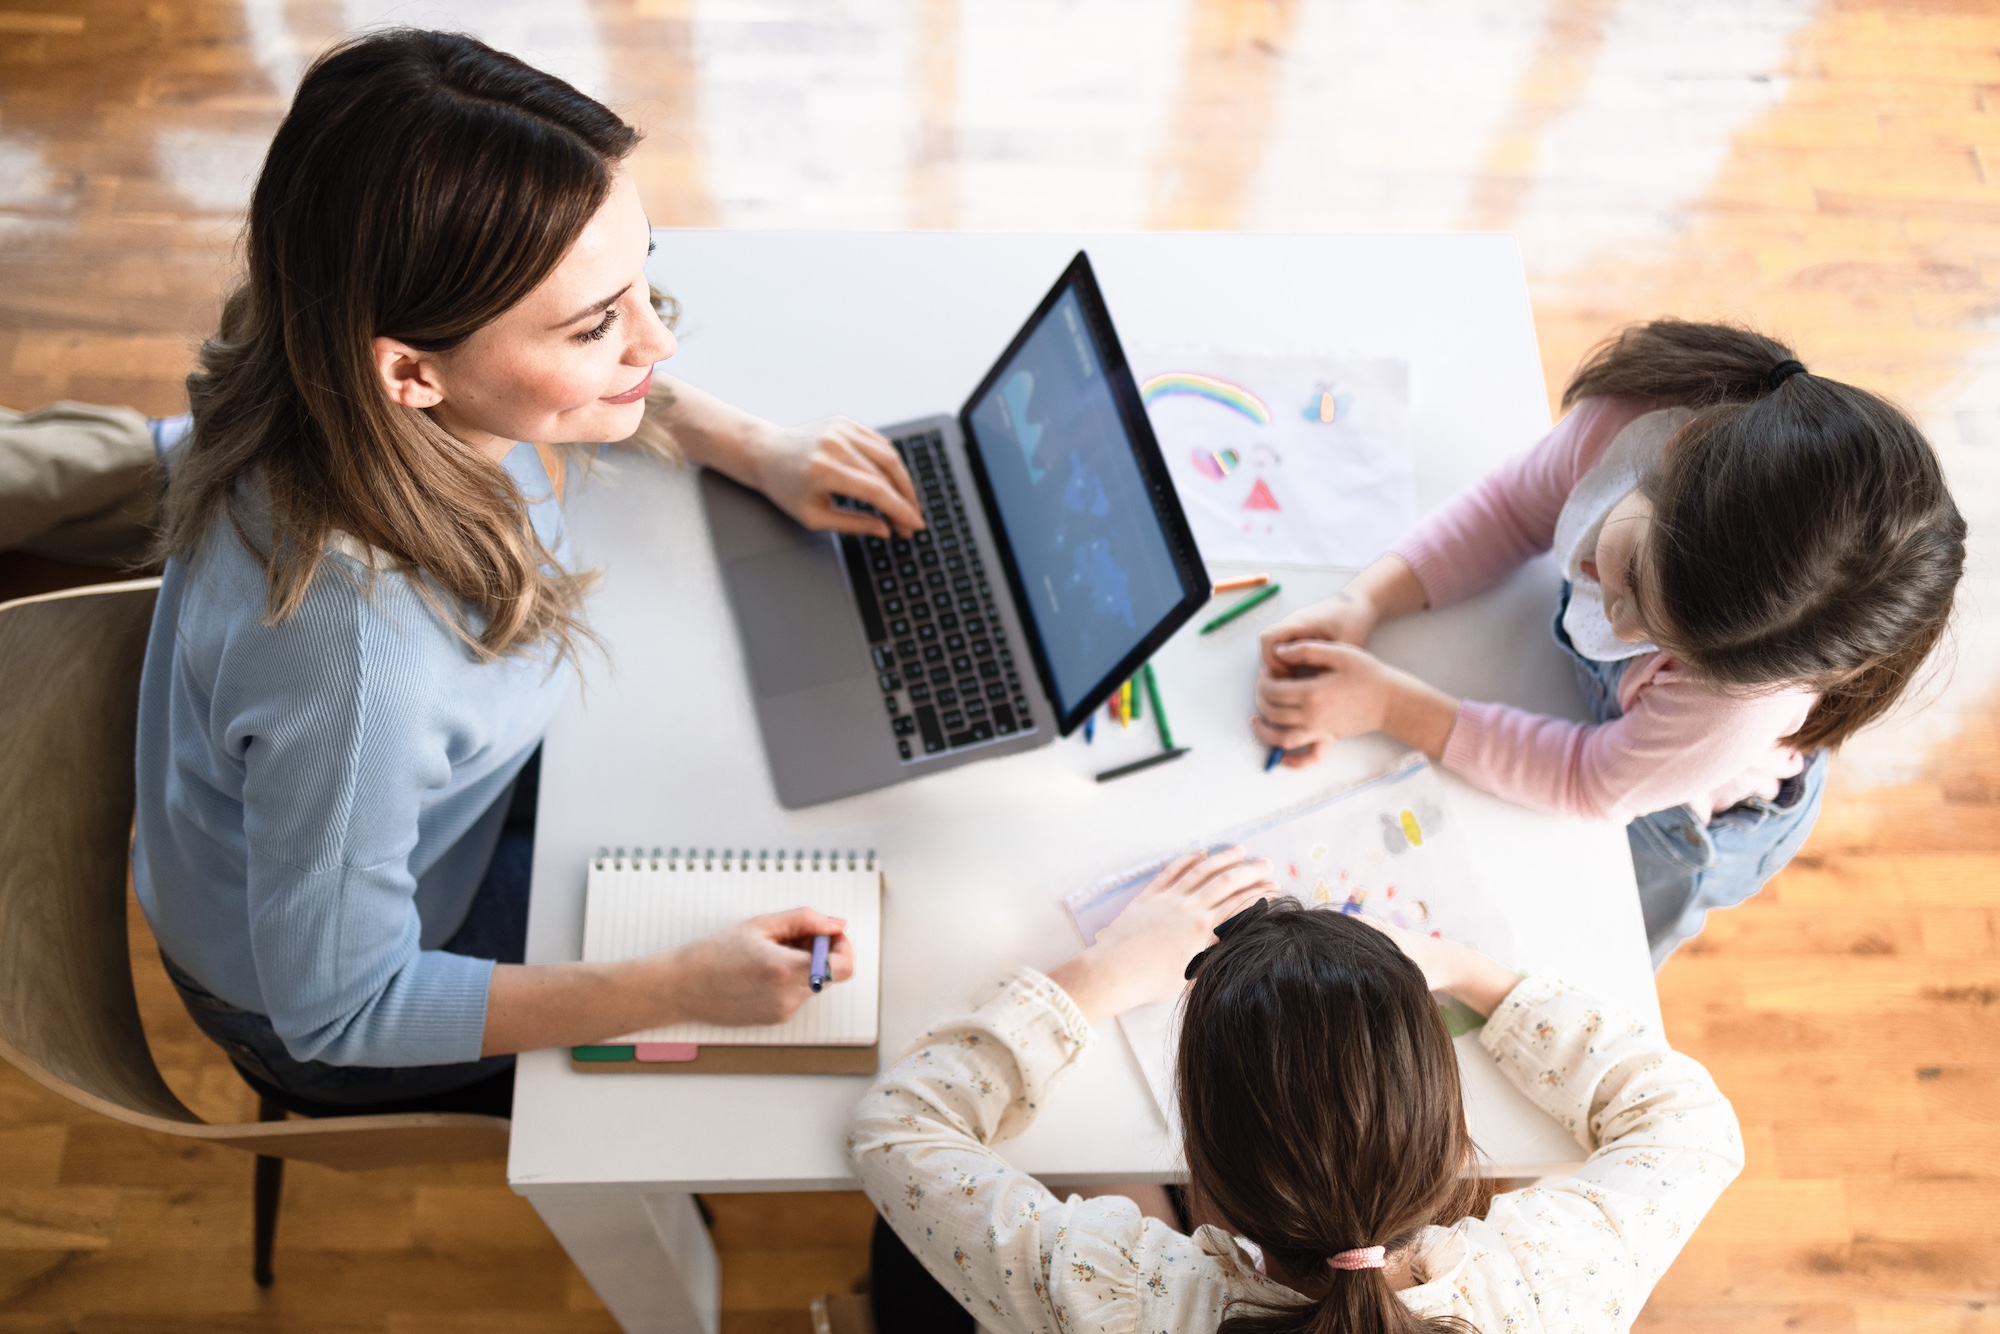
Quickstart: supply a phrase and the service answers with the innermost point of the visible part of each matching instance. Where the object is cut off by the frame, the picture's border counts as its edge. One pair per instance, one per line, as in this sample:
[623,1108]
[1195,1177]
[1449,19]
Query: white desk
[662,748]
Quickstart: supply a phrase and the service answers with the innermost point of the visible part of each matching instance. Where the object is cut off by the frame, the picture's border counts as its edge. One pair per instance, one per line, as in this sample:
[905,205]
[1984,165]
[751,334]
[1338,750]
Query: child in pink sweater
[1757,562]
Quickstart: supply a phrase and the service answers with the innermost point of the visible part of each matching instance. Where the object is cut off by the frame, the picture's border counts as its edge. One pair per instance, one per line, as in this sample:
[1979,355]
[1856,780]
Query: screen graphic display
[1096,571]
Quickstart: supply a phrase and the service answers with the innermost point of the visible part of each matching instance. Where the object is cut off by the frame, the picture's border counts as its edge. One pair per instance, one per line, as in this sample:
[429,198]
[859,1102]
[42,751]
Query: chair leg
[269,1188]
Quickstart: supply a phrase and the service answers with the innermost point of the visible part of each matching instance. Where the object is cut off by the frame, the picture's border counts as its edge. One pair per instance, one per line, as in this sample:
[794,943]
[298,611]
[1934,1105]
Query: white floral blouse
[1572,1253]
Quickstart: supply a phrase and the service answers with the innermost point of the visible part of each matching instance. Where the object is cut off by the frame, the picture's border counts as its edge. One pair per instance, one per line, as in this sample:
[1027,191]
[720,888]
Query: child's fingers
[1319,654]
[1300,757]
[1170,874]
[1227,882]
[1279,734]
[1192,878]
[1242,899]
[1284,709]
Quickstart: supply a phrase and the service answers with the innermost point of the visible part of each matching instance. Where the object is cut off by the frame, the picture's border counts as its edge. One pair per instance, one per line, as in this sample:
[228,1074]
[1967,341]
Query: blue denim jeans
[495,927]
[1686,866]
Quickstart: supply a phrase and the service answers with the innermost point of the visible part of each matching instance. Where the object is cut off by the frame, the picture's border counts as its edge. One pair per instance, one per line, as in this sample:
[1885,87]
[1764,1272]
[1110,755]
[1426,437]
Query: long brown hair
[1803,532]
[422,184]
[1320,1102]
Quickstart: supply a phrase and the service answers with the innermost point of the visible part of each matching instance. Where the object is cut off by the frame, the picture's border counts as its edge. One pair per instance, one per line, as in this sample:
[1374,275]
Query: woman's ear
[409,377]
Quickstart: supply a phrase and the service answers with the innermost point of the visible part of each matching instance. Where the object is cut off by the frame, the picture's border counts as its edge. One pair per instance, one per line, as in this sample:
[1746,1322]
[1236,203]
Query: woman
[368,617]
[1324,1133]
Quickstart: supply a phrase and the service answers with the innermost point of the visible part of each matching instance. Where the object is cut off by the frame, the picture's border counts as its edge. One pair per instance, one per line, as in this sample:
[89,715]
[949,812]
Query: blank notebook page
[640,905]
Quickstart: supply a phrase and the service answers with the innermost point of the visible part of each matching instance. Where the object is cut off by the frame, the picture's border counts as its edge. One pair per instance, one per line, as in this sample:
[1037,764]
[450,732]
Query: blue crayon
[1271,760]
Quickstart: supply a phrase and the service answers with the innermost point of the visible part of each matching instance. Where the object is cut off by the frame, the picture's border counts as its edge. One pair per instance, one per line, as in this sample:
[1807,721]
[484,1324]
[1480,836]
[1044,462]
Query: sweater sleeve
[1584,1251]
[1678,742]
[1020,1258]
[328,714]
[1509,517]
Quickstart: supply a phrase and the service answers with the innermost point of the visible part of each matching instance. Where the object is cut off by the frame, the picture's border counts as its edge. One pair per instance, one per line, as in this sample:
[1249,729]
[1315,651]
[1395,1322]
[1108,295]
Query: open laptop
[1056,561]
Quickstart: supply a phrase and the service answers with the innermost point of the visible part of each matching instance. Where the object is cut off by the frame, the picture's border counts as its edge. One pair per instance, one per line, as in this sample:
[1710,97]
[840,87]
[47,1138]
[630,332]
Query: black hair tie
[1784,371]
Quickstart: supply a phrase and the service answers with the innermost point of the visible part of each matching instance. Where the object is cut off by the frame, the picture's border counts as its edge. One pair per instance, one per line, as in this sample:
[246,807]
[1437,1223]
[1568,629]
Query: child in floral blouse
[1323,1122]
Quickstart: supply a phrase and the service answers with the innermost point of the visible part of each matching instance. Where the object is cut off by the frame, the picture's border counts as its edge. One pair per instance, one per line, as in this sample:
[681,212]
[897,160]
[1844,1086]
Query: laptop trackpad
[799,625]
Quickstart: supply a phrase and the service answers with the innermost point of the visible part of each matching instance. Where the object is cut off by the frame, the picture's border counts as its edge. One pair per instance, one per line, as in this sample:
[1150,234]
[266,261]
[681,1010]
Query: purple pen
[820,975]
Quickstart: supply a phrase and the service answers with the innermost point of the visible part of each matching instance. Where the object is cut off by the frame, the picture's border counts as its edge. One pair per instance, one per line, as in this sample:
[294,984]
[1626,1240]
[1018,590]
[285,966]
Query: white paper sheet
[1285,460]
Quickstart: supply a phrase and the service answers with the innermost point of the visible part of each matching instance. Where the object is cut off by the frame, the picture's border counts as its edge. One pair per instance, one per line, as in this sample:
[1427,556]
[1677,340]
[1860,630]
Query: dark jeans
[495,927]
[1685,866]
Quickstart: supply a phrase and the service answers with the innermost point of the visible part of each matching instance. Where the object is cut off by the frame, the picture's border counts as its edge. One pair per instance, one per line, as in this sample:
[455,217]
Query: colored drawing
[1327,405]
[1412,829]
[1215,464]
[1188,384]
[1260,498]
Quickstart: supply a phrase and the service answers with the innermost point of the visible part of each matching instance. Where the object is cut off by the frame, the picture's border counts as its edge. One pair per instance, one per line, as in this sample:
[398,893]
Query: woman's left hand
[802,468]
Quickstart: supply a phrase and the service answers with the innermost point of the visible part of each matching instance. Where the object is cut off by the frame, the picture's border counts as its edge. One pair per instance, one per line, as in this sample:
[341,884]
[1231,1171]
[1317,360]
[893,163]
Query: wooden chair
[69,688]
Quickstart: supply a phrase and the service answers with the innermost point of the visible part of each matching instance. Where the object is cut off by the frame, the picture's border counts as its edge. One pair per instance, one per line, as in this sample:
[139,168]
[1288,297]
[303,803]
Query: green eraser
[1460,1019]
[604,1053]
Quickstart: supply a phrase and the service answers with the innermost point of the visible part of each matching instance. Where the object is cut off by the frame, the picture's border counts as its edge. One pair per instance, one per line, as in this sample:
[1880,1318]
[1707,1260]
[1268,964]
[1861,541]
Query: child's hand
[1324,693]
[1456,969]
[1385,590]
[1142,955]
[1343,618]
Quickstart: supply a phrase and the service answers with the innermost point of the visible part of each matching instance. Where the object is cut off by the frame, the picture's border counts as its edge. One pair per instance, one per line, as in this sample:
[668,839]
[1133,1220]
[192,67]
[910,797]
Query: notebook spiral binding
[730,859]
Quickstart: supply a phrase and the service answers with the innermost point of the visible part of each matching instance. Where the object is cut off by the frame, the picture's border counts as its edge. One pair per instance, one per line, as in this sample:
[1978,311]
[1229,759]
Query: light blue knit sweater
[318,800]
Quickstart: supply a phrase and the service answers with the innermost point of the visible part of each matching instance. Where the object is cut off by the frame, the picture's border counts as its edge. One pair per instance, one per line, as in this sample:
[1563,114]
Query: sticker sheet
[1387,848]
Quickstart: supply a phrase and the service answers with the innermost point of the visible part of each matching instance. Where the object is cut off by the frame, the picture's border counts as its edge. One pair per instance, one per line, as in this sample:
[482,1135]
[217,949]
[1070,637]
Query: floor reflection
[1821,169]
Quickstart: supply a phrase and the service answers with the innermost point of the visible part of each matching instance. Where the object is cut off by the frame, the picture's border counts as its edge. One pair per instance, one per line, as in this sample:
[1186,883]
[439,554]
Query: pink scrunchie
[1363,1257]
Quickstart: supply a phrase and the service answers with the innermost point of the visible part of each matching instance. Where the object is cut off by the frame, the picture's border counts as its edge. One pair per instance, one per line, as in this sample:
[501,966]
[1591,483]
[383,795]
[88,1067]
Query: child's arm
[1510,516]
[1679,743]
[1585,1251]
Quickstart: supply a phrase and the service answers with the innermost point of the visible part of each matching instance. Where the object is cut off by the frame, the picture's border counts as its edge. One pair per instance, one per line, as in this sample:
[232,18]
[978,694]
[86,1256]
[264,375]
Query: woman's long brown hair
[1803,532]
[1320,1102]
[421,185]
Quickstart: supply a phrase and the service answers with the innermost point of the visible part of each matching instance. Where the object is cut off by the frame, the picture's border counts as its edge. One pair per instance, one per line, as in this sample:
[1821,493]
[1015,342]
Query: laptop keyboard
[948,675]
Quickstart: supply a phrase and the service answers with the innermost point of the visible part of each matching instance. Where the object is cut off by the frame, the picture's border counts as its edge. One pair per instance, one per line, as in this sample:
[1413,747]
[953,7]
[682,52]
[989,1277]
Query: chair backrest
[69,691]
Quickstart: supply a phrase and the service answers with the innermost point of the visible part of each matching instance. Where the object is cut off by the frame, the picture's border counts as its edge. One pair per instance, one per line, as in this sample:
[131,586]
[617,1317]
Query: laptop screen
[1097,547]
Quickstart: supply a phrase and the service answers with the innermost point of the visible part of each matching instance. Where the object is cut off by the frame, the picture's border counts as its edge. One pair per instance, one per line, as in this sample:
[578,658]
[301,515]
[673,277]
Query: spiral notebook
[641,902]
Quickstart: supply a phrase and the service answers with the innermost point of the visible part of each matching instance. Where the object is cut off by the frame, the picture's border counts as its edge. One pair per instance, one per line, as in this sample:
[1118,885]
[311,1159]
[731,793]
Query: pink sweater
[1679,741]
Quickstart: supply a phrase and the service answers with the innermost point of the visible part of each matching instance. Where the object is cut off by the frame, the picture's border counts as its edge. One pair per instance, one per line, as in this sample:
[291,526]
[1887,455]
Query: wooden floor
[1829,170]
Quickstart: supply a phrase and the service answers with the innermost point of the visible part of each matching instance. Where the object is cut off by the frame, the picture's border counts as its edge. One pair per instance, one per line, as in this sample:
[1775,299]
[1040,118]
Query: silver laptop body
[818,692]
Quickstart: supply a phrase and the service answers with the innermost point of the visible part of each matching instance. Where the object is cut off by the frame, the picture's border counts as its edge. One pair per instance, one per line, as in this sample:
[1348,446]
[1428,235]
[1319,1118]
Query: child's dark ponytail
[1320,1099]
[1803,531]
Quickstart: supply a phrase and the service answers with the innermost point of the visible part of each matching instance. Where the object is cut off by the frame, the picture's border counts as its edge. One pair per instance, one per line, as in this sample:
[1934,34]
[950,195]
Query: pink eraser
[664,1051]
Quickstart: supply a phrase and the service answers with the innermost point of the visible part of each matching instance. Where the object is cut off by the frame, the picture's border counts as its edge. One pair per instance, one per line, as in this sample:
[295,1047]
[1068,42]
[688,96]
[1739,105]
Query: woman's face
[570,363]
[1619,566]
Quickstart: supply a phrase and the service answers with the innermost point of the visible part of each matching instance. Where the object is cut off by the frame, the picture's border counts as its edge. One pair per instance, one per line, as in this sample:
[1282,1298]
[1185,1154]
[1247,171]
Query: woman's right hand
[755,972]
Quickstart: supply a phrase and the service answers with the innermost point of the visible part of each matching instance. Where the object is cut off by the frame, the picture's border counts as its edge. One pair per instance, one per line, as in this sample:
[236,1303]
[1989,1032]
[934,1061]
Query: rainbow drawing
[1188,384]
[1215,464]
